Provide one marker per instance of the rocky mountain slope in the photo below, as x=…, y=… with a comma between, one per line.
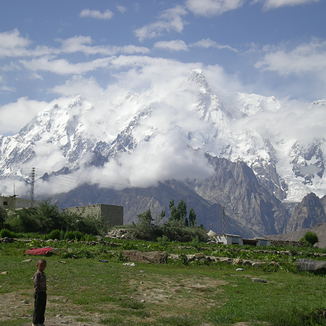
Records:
x=235, y=186
x=308, y=213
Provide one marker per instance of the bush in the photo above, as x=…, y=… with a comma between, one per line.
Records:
x=54, y=234
x=4, y=233
x=74, y=235
x=184, y=234
x=310, y=238
x=163, y=241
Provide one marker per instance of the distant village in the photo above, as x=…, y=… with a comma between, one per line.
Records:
x=112, y=215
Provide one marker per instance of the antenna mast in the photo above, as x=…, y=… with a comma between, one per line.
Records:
x=32, y=186
x=223, y=221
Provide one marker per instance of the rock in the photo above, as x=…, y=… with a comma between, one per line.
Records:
x=26, y=261
x=62, y=262
x=308, y=265
x=7, y=240
x=174, y=256
x=121, y=234
x=259, y=280
x=4, y=273
x=239, y=269
x=155, y=257
x=129, y=264
x=103, y=261
x=197, y=257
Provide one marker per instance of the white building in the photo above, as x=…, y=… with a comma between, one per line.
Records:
x=229, y=239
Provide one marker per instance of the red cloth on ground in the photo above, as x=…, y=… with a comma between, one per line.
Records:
x=39, y=251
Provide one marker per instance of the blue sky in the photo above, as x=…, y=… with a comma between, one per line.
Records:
x=270, y=47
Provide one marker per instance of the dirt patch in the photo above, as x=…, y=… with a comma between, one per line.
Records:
x=185, y=294
x=20, y=306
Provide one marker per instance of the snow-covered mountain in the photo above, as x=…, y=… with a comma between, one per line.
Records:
x=140, y=138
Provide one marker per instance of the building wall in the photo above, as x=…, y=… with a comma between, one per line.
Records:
x=263, y=242
x=86, y=211
x=112, y=215
x=109, y=214
x=12, y=202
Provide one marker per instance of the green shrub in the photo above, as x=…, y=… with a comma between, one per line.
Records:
x=74, y=235
x=54, y=234
x=163, y=240
x=310, y=238
x=5, y=233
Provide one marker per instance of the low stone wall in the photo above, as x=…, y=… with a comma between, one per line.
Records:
x=283, y=243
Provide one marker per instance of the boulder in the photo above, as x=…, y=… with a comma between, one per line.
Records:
x=309, y=265
x=155, y=257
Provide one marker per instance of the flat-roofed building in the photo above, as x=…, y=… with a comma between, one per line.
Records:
x=229, y=239
x=110, y=215
x=14, y=202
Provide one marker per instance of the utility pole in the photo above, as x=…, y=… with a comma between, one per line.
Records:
x=32, y=186
x=223, y=221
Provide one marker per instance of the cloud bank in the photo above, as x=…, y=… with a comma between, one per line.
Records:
x=172, y=111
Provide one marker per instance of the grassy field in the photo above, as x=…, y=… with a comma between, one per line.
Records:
x=88, y=292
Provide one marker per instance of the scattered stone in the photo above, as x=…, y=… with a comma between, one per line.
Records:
x=129, y=264
x=62, y=262
x=259, y=280
x=121, y=234
x=174, y=256
x=7, y=240
x=58, y=316
x=155, y=257
x=26, y=261
x=239, y=269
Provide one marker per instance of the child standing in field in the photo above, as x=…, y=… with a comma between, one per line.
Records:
x=40, y=293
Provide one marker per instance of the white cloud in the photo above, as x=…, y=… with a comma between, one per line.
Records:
x=121, y=9
x=273, y=4
x=208, y=43
x=175, y=126
x=96, y=14
x=63, y=67
x=12, y=44
x=212, y=7
x=16, y=115
x=180, y=45
x=175, y=45
x=307, y=58
x=85, y=45
x=169, y=20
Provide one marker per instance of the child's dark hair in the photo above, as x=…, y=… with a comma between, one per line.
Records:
x=40, y=261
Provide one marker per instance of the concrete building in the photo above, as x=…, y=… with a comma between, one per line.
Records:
x=262, y=242
x=110, y=215
x=229, y=239
x=13, y=202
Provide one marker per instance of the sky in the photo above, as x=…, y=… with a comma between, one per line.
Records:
x=268, y=47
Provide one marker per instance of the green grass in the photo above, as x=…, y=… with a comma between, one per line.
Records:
x=158, y=295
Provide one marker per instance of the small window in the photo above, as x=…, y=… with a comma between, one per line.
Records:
x=5, y=203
